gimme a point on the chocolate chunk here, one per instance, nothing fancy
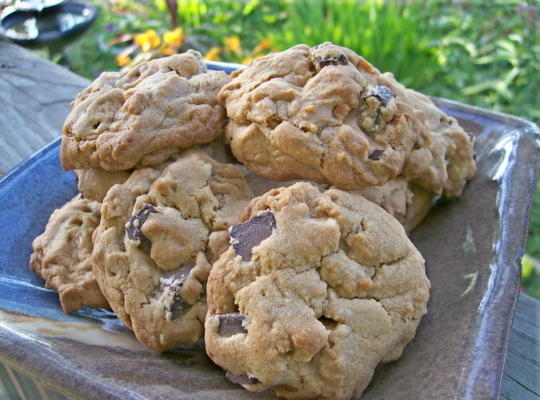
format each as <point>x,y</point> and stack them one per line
<point>324,61</point>
<point>170,285</point>
<point>145,244</point>
<point>252,232</point>
<point>135,223</point>
<point>176,278</point>
<point>231,324</point>
<point>241,379</point>
<point>376,155</point>
<point>382,93</point>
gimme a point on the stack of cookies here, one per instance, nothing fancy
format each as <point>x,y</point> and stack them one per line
<point>303,289</point>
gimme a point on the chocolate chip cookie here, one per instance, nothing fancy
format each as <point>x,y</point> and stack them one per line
<point>94,183</point>
<point>318,287</point>
<point>405,201</point>
<point>159,233</point>
<point>62,255</point>
<point>325,114</point>
<point>442,159</point>
<point>142,115</point>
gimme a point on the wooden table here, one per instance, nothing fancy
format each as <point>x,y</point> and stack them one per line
<point>34,98</point>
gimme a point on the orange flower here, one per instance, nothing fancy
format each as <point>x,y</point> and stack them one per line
<point>265,44</point>
<point>213,54</point>
<point>174,38</point>
<point>167,51</point>
<point>232,43</point>
<point>148,40</point>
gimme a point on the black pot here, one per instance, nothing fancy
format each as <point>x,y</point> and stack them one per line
<point>55,25</point>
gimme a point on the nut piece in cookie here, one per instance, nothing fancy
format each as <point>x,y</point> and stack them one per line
<point>325,114</point>
<point>143,114</point>
<point>332,288</point>
<point>159,233</point>
<point>62,255</point>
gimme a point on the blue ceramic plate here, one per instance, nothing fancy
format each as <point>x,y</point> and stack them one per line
<point>472,247</point>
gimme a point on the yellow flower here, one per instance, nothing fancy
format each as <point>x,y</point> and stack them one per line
<point>174,38</point>
<point>232,43</point>
<point>148,40</point>
<point>249,59</point>
<point>122,60</point>
<point>265,44</point>
<point>213,54</point>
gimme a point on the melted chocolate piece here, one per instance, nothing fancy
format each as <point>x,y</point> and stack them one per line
<point>170,285</point>
<point>324,61</point>
<point>135,223</point>
<point>241,379</point>
<point>376,155</point>
<point>231,324</point>
<point>252,232</point>
<point>382,93</point>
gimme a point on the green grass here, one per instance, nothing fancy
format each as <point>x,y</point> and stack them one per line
<point>391,35</point>
<point>530,269</point>
<point>489,55</point>
<point>533,244</point>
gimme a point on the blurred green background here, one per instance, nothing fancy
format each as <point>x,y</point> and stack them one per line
<point>477,52</point>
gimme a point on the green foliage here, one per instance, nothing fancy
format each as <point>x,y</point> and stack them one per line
<point>530,270</point>
<point>94,52</point>
<point>488,55</point>
<point>208,22</point>
<point>533,244</point>
<point>530,276</point>
<point>90,55</point>
<point>390,34</point>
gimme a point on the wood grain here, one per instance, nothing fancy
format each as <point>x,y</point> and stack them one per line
<point>521,378</point>
<point>34,100</point>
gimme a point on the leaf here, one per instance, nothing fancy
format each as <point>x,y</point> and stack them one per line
<point>250,7</point>
<point>481,87</point>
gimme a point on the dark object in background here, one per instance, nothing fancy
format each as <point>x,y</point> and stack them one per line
<point>47,23</point>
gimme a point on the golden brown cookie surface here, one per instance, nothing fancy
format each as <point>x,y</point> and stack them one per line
<point>144,114</point>
<point>62,255</point>
<point>94,183</point>
<point>406,202</point>
<point>317,288</point>
<point>159,233</point>
<point>325,114</point>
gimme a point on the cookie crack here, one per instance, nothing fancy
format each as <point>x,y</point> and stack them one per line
<point>263,81</point>
<point>391,262</point>
<point>210,223</point>
<point>358,228</point>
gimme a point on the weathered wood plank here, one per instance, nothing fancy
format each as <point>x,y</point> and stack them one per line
<point>521,377</point>
<point>34,99</point>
